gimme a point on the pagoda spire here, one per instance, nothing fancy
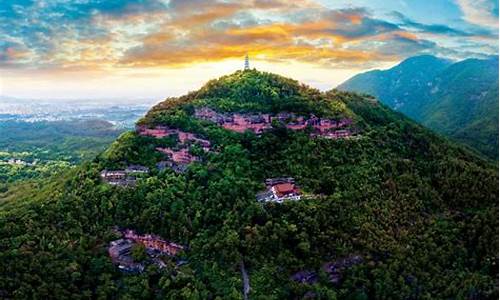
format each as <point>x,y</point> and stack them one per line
<point>247,62</point>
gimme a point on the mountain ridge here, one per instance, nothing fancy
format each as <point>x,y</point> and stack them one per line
<point>440,97</point>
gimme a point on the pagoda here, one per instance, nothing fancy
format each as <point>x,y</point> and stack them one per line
<point>247,63</point>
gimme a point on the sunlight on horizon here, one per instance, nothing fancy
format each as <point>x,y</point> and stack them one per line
<point>159,83</point>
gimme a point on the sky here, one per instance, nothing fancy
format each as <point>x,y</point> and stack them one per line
<point>123,49</point>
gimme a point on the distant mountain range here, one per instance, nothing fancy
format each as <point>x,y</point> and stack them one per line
<point>457,99</point>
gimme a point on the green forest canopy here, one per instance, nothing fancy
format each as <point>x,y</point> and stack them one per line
<point>420,210</point>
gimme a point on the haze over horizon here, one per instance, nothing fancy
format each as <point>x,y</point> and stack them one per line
<point>158,48</point>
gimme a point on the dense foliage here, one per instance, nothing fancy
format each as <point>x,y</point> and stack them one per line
<point>459,100</point>
<point>32,150</point>
<point>421,211</point>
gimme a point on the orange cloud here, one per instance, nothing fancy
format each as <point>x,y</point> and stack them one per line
<point>206,16</point>
<point>16,54</point>
<point>406,35</point>
<point>158,38</point>
<point>278,45</point>
<point>355,19</point>
<point>275,30</point>
<point>322,40</point>
<point>265,32</point>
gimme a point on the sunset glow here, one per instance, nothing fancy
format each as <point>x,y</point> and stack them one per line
<point>134,48</point>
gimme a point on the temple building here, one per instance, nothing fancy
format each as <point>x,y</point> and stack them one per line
<point>177,168</point>
<point>165,131</point>
<point>333,270</point>
<point>178,160</point>
<point>187,137</point>
<point>120,250</point>
<point>181,156</point>
<point>279,190</point>
<point>125,177</point>
<point>259,123</point>
<point>156,132</point>
<point>120,253</point>
<point>117,177</point>
<point>113,174</point>
<point>137,169</point>
<point>153,242</point>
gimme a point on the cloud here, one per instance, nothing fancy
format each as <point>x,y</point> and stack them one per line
<point>95,34</point>
<point>356,23</point>
<point>480,12</point>
<point>12,53</point>
<point>428,28</point>
<point>323,37</point>
<point>408,45</point>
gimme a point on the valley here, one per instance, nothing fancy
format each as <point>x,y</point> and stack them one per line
<point>38,140</point>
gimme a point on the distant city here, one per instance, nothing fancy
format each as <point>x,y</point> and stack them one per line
<point>122,114</point>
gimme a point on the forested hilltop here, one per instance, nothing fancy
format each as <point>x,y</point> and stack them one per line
<point>387,209</point>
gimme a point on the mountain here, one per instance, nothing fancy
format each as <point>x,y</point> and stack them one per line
<point>467,109</point>
<point>324,195</point>
<point>459,100</point>
<point>397,86</point>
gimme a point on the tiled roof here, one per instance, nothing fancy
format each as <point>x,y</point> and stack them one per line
<point>284,188</point>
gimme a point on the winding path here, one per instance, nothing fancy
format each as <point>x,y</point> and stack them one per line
<point>246,281</point>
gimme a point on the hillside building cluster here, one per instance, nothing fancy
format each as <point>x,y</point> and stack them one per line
<point>20,162</point>
<point>279,190</point>
<point>258,123</point>
<point>156,132</point>
<point>120,253</point>
<point>124,177</point>
<point>120,250</point>
<point>183,137</point>
<point>153,242</point>
<point>333,269</point>
<point>181,156</point>
<point>177,158</point>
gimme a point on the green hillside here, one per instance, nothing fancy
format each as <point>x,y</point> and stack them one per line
<point>467,109</point>
<point>34,150</point>
<point>459,100</point>
<point>399,212</point>
<point>399,87</point>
